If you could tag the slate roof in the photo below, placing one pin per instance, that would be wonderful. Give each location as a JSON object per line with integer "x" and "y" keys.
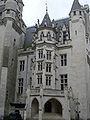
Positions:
{"x": 61, "y": 22}
{"x": 46, "y": 21}
{"x": 29, "y": 35}
{"x": 76, "y": 6}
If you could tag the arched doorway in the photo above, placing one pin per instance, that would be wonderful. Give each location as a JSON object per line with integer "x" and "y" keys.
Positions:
{"x": 53, "y": 106}
{"x": 34, "y": 107}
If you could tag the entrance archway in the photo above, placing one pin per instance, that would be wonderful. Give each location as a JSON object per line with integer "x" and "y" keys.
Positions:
{"x": 34, "y": 107}
{"x": 53, "y": 106}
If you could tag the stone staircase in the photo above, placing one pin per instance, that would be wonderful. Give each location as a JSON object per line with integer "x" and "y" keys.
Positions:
{"x": 49, "y": 116}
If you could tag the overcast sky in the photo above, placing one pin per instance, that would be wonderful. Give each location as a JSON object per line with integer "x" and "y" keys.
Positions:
{"x": 36, "y": 9}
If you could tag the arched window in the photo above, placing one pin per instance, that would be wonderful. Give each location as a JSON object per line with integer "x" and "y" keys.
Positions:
{"x": 48, "y": 36}
{"x": 41, "y": 35}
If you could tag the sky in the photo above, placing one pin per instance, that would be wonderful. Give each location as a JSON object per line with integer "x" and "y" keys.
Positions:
{"x": 57, "y": 9}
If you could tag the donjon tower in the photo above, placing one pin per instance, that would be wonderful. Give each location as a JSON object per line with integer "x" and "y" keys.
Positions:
{"x": 12, "y": 31}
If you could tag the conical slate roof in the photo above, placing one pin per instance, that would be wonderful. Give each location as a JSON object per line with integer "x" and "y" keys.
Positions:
{"x": 76, "y": 6}
{"x": 46, "y": 21}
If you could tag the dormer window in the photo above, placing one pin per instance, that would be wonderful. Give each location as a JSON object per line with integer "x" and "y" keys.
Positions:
{"x": 80, "y": 13}
{"x": 64, "y": 36}
{"x": 48, "y": 36}
{"x": 41, "y": 35}
{"x": 74, "y": 12}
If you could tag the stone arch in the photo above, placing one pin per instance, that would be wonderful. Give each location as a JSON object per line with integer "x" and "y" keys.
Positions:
{"x": 53, "y": 106}
{"x": 34, "y": 107}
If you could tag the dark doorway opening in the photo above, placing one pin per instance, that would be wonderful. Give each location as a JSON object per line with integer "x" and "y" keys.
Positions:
{"x": 53, "y": 106}
{"x": 48, "y": 107}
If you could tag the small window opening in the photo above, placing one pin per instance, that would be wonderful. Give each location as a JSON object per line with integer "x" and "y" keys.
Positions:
{"x": 75, "y": 32}
{"x": 80, "y": 12}
{"x": 74, "y": 12}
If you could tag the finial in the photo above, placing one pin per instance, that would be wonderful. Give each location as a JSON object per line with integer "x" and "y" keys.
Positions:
{"x": 46, "y": 7}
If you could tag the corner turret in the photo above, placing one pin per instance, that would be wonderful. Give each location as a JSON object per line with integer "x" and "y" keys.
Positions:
{"x": 76, "y": 6}
{"x": 76, "y": 10}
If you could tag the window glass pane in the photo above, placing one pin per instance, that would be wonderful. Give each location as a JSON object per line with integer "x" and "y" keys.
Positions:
{"x": 22, "y": 63}
{"x": 48, "y": 80}
{"x": 63, "y": 60}
{"x": 64, "y": 81}
{"x": 40, "y": 54}
{"x": 20, "y": 85}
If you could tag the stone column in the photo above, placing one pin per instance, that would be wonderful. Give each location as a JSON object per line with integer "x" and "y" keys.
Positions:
{"x": 40, "y": 113}
{"x": 28, "y": 105}
{"x": 40, "y": 104}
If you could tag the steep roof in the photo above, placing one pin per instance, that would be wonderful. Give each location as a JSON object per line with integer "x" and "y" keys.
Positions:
{"x": 46, "y": 21}
{"x": 61, "y": 22}
{"x": 76, "y": 6}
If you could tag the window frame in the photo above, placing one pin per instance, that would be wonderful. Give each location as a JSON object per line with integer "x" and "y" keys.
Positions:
{"x": 63, "y": 59}
{"x": 48, "y": 67}
{"x": 64, "y": 36}
{"x": 39, "y": 79}
{"x": 63, "y": 81}
{"x": 20, "y": 85}
{"x": 40, "y": 54}
{"x": 22, "y": 65}
{"x": 40, "y": 66}
{"x": 49, "y": 55}
{"x": 48, "y": 80}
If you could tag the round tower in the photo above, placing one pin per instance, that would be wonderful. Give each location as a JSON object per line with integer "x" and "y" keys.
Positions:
{"x": 78, "y": 37}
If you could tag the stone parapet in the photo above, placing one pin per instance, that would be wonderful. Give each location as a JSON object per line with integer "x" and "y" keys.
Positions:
{"x": 47, "y": 92}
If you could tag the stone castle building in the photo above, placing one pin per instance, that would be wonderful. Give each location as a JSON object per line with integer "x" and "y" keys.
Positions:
{"x": 46, "y": 66}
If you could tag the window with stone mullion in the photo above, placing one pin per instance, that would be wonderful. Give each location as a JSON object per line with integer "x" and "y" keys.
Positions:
{"x": 39, "y": 77}
{"x": 20, "y": 85}
{"x": 40, "y": 54}
{"x": 48, "y": 67}
{"x": 39, "y": 66}
{"x": 48, "y": 55}
{"x": 64, "y": 82}
{"x": 22, "y": 63}
{"x": 63, "y": 60}
{"x": 48, "y": 80}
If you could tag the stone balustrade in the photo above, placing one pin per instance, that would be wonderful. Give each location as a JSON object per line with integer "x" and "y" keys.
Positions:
{"x": 46, "y": 92}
